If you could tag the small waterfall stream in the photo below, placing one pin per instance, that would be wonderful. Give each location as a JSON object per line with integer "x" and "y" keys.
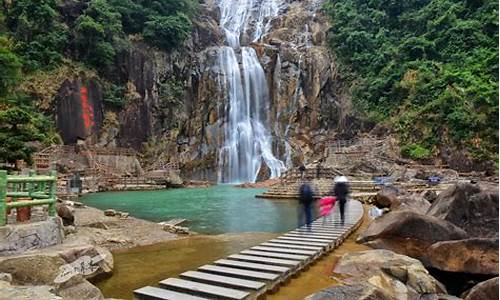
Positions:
{"x": 248, "y": 141}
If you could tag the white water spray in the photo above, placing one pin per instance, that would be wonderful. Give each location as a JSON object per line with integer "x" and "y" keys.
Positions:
{"x": 248, "y": 141}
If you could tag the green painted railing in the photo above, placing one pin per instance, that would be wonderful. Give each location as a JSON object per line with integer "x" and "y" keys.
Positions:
{"x": 41, "y": 189}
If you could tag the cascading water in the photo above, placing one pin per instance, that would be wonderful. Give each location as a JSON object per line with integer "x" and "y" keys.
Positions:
{"x": 248, "y": 141}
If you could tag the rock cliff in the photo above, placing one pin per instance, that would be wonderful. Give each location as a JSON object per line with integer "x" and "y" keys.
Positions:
{"x": 174, "y": 106}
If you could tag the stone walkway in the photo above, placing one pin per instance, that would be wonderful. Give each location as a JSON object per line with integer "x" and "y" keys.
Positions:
{"x": 260, "y": 269}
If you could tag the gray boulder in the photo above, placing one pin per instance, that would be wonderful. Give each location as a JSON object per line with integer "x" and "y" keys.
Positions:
{"x": 472, "y": 207}
{"x": 18, "y": 238}
{"x": 66, "y": 214}
{"x": 399, "y": 276}
{"x": 357, "y": 291}
{"x": 413, "y": 203}
{"x": 473, "y": 256}
{"x": 409, "y": 233}
{"x": 27, "y": 292}
{"x": 386, "y": 197}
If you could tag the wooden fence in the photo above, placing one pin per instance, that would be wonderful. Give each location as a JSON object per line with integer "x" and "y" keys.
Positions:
{"x": 41, "y": 190}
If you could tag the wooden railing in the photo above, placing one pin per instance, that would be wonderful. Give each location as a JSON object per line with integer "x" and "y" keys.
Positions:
{"x": 41, "y": 190}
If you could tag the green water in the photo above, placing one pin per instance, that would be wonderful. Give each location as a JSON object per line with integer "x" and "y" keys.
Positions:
{"x": 213, "y": 210}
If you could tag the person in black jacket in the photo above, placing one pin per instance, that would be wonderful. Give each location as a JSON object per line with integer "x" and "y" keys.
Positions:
{"x": 341, "y": 190}
{"x": 306, "y": 200}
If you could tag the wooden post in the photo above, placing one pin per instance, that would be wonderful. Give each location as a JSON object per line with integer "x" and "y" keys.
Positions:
{"x": 3, "y": 195}
{"x": 30, "y": 184}
{"x": 52, "y": 193}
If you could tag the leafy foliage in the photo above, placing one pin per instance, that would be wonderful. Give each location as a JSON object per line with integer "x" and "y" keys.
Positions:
{"x": 430, "y": 67}
{"x": 20, "y": 126}
{"x": 10, "y": 67}
{"x": 167, "y": 32}
{"x": 164, "y": 24}
{"x": 98, "y": 32}
{"x": 39, "y": 35}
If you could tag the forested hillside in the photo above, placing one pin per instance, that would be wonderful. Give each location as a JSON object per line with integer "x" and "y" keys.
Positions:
{"x": 427, "y": 68}
{"x": 44, "y": 40}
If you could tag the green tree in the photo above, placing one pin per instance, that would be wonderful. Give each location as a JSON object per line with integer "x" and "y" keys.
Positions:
{"x": 10, "y": 67}
{"x": 167, "y": 32}
{"x": 98, "y": 35}
{"x": 20, "y": 128}
{"x": 429, "y": 68}
{"x": 40, "y": 37}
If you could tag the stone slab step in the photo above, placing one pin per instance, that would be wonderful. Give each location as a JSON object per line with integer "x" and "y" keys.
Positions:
{"x": 202, "y": 289}
{"x": 270, "y": 244}
{"x": 299, "y": 242}
{"x": 275, "y": 255}
{"x": 317, "y": 233}
{"x": 251, "y": 266}
{"x": 239, "y": 273}
{"x": 225, "y": 281}
{"x": 154, "y": 293}
{"x": 303, "y": 239}
{"x": 284, "y": 250}
{"x": 266, "y": 260}
{"x": 318, "y": 237}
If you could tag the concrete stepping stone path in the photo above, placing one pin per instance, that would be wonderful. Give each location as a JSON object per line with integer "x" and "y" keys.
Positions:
{"x": 260, "y": 269}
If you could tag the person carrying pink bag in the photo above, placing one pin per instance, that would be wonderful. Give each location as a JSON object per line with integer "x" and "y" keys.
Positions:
{"x": 325, "y": 207}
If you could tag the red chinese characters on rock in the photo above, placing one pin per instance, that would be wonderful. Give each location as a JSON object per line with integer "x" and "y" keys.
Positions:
{"x": 87, "y": 109}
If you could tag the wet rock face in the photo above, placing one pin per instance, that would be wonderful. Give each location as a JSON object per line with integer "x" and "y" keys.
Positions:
{"x": 79, "y": 111}
{"x": 472, "y": 207}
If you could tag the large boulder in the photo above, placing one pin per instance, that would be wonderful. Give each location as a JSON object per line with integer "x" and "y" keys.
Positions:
{"x": 65, "y": 213}
{"x": 79, "y": 289}
{"x": 42, "y": 267}
{"x": 409, "y": 233}
{"x": 486, "y": 290}
{"x": 18, "y": 238}
{"x": 15, "y": 292}
{"x": 400, "y": 276}
{"x": 386, "y": 197}
{"x": 38, "y": 269}
{"x": 48, "y": 266}
{"x": 474, "y": 256}
{"x": 429, "y": 195}
{"x": 413, "y": 203}
{"x": 471, "y": 207}
{"x": 356, "y": 291}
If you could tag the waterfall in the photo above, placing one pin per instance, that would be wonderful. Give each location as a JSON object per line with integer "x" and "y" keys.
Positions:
{"x": 248, "y": 142}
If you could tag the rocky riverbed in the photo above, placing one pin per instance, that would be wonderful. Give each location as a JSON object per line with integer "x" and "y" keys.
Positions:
{"x": 37, "y": 272}
{"x": 426, "y": 246}
{"x": 115, "y": 232}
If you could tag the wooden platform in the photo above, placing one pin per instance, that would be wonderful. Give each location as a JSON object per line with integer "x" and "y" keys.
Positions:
{"x": 260, "y": 269}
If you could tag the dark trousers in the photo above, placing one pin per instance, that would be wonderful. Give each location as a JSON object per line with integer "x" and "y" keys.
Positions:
{"x": 306, "y": 213}
{"x": 342, "y": 209}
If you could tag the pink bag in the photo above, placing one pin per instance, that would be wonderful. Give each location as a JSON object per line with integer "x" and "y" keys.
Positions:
{"x": 326, "y": 204}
